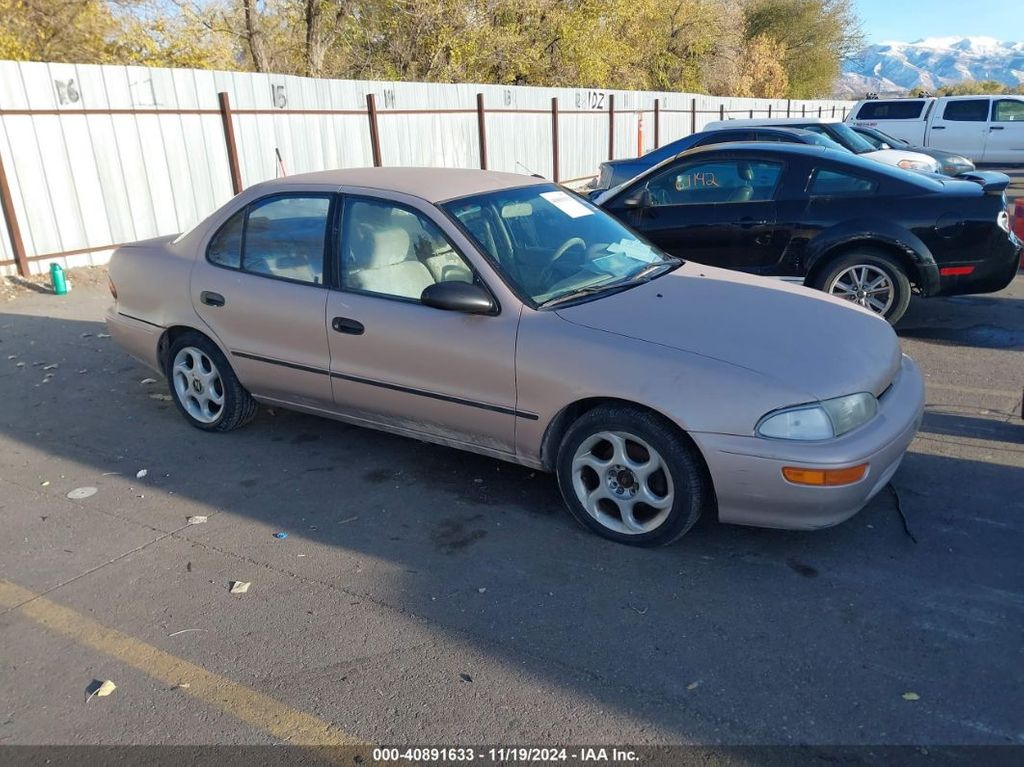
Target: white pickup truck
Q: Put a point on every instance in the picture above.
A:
(985, 129)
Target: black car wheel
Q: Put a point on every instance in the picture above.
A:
(630, 476)
(204, 386)
(871, 279)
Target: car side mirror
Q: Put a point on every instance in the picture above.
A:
(639, 199)
(464, 297)
(884, 145)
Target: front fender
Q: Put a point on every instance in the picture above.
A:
(913, 251)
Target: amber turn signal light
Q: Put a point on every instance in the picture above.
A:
(825, 477)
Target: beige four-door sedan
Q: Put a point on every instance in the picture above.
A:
(501, 314)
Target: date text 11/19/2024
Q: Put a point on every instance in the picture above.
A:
(512, 754)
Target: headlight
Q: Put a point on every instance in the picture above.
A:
(825, 420)
(957, 165)
(918, 165)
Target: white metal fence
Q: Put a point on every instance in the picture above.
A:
(94, 156)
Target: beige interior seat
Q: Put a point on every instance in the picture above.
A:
(446, 266)
(384, 265)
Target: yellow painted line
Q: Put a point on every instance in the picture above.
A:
(282, 722)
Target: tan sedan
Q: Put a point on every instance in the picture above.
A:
(500, 314)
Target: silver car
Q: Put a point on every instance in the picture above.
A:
(503, 315)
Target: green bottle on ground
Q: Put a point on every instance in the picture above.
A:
(57, 280)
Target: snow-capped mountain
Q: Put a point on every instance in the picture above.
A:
(930, 63)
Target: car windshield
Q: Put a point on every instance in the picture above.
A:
(850, 139)
(553, 246)
(891, 140)
(842, 135)
(825, 141)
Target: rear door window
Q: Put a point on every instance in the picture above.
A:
(966, 110)
(284, 237)
(1008, 111)
(280, 236)
(834, 183)
(904, 109)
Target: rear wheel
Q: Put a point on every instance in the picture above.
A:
(204, 386)
(630, 476)
(871, 279)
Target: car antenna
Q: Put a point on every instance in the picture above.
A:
(535, 175)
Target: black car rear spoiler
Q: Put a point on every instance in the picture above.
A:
(992, 182)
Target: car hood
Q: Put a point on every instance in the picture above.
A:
(804, 339)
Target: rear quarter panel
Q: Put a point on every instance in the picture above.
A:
(152, 283)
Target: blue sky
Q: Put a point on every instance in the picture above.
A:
(908, 20)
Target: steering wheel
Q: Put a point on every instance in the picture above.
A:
(564, 248)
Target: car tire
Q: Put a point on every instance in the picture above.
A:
(204, 387)
(850, 275)
(606, 481)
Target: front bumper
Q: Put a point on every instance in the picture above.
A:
(747, 471)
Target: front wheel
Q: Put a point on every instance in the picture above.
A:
(871, 279)
(630, 476)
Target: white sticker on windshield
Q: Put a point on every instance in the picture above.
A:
(570, 206)
(634, 249)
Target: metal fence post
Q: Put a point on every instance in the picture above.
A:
(13, 230)
(554, 138)
(371, 113)
(693, 116)
(789, 106)
(481, 130)
(769, 111)
(611, 126)
(657, 123)
(229, 140)
(721, 111)
(803, 111)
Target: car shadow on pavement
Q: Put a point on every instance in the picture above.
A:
(732, 635)
(996, 428)
(984, 322)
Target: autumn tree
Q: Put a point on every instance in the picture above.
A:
(57, 30)
(973, 87)
(762, 73)
(815, 35)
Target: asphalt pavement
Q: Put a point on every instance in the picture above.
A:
(426, 596)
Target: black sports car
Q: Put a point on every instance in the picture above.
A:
(858, 229)
(615, 172)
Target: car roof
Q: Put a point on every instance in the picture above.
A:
(430, 184)
(768, 122)
(790, 130)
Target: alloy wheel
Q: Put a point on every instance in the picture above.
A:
(622, 482)
(865, 285)
(198, 384)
